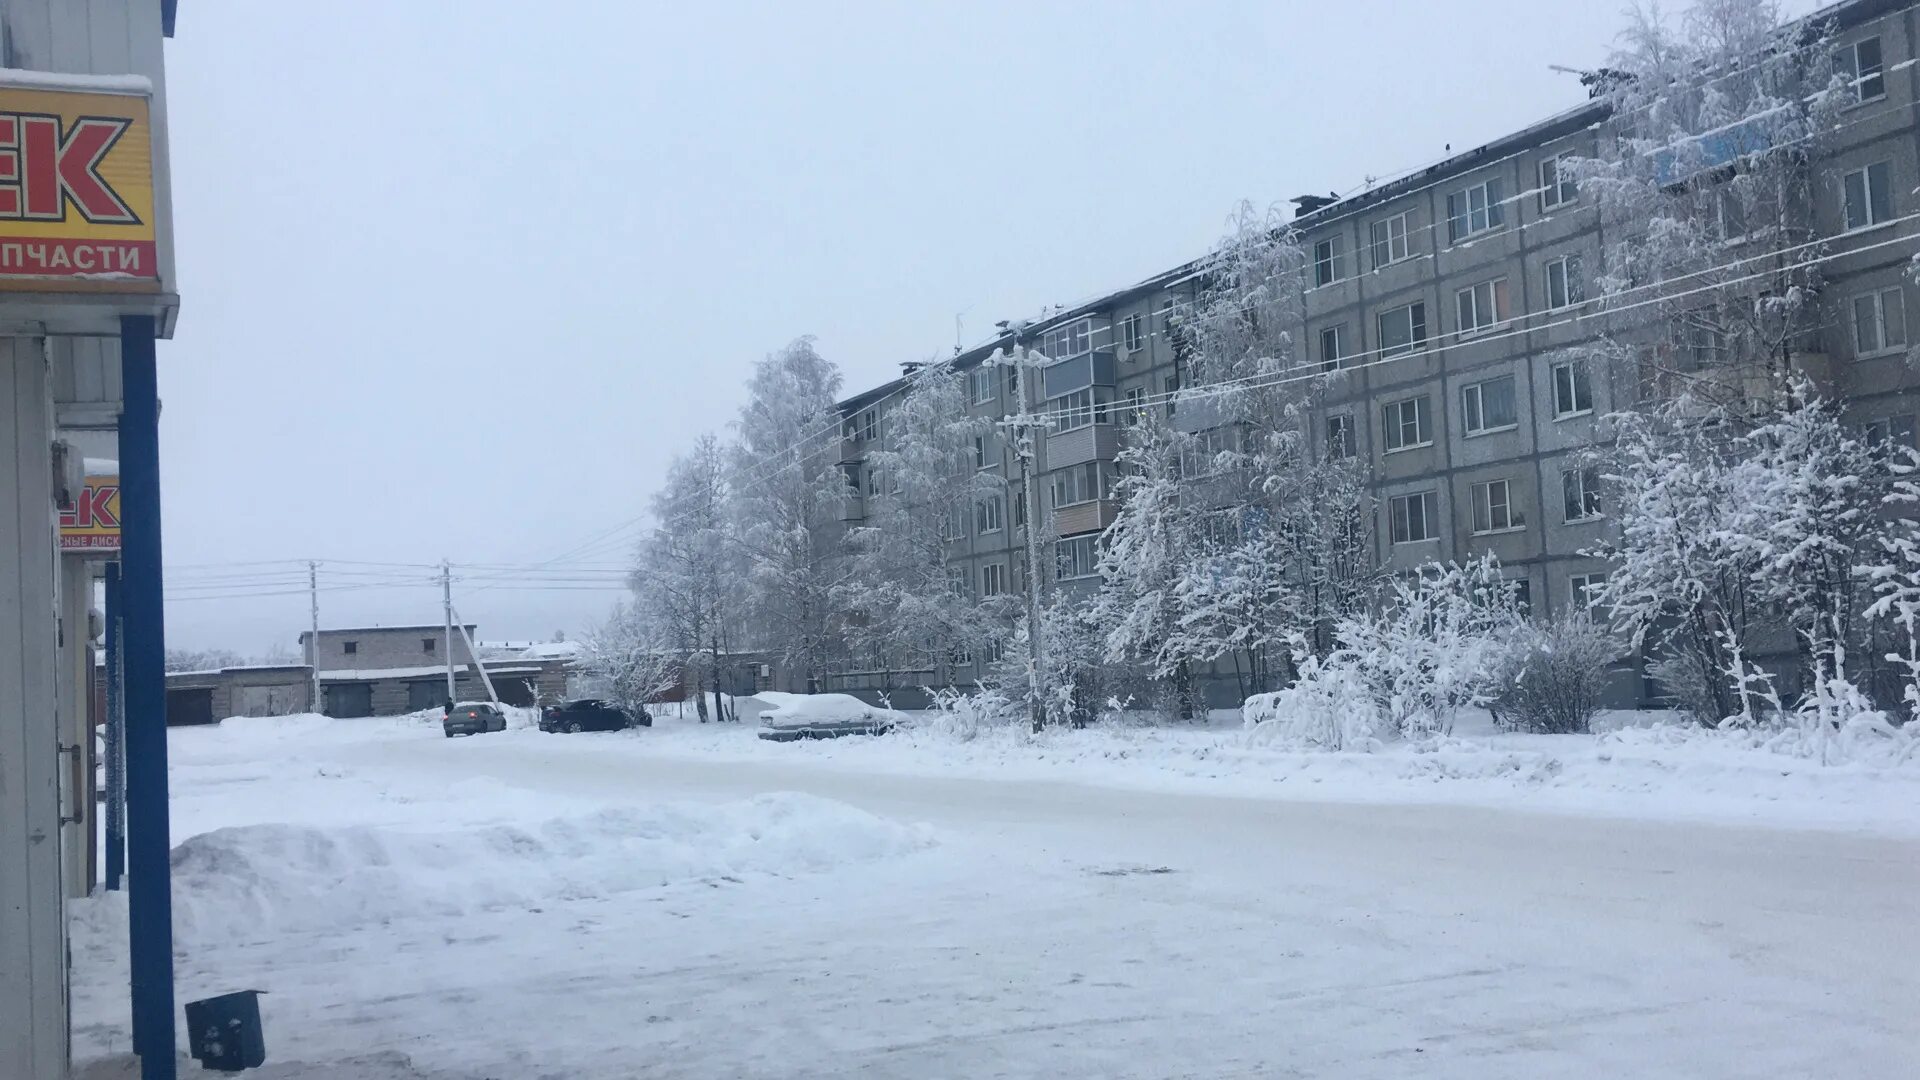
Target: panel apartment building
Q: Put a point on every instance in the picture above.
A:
(1472, 268)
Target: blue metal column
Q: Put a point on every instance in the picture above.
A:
(116, 738)
(149, 896)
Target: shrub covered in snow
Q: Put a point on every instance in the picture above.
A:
(1551, 676)
(1331, 706)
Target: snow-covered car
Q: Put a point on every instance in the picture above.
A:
(792, 717)
(473, 718)
(590, 714)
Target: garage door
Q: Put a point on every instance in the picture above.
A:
(349, 699)
(187, 707)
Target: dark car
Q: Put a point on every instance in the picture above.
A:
(473, 718)
(589, 714)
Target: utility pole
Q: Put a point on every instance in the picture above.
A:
(446, 602)
(1021, 427)
(313, 635)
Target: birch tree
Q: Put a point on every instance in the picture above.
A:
(687, 574)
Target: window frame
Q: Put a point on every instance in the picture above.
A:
(993, 579)
(975, 381)
(1858, 82)
(1498, 295)
(1480, 498)
(1473, 407)
(1580, 588)
(1493, 211)
(1331, 268)
(1868, 189)
(1340, 425)
(1080, 474)
(1398, 522)
(350, 648)
(989, 515)
(1564, 190)
(1380, 235)
(1878, 297)
(1133, 336)
(1393, 423)
(1584, 380)
(1416, 329)
(1091, 546)
(1573, 290)
(1574, 487)
(1337, 332)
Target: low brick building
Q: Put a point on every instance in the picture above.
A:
(202, 697)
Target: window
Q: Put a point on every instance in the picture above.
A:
(1075, 558)
(1522, 594)
(1580, 494)
(996, 651)
(1880, 322)
(993, 579)
(989, 515)
(981, 380)
(1556, 186)
(1493, 509)
(1203, 456)
(1388, 239)
(1133, 332)
(1329, 260)
(1869, 195)
(1080, 484)
(1414, 517)
(428, 644)
(1134, 408)
(866, 426)
(1166, 314)
(1652, 381)
(1488, 406)
(873, 481)
(954, 525)
(1072, 412)
(1572, 393)
(1403, 329)
(1861, 61)
(1564, 286)
(1893, 431)
(957, 582)
(1730, 216)
(1585, 588)
(1070, 340)
(1705, 343)
(1340, 436)
(1330, 348)
(350, 648)
(1476, 210)
(1172, 386)
(1482, 306)
(1407, 424)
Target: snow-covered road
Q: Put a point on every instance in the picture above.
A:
(1054, 929)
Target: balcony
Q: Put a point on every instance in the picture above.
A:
(853, 508)
(1092, 442)
(1084, 517)
(1094, 368)
(852, 449)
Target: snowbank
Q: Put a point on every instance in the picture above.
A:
(254, 881)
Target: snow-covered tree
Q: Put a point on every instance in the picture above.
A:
(202, 659)
(787, 492)
(687, 573)
(1895, 578)
(1701, 176)
(908, 598)
(629, 656)
(1551, 676)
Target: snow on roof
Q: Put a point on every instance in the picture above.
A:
(63, 80)
(369, 674)
(305, 634)
(552, 650)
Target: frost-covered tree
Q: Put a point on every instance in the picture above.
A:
(202, 659)
(1551, 676)
(909, 599)
(1895, 578)
(1700, 179)
(629, 656)
(786, 496)
(687, 573)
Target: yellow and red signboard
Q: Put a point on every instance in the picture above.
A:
(93, 524)
(76, 191)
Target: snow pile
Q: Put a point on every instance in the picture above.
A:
(812, 710)
(255, 881)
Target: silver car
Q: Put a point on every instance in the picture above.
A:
(473, 718)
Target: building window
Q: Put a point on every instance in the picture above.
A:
(1172, 386)
(1329, 260)
(1556, 186)
(1476, 210)
(957, 582)
(1340, 436)
(1403, 329)
(1414, 517)
(1861, 61)
(1488, 406)
(1703, 339)
(1388, 239)
(1564, 286)
(993, 579)
(873, 481)
(1482, 306)
(1080, 484)
(1133, 332)
(1572, 393)
(427, 644)
(1880, 322)
(1493, 509)
(1167, 307)
(865, 427)
(1869, 195)
(1070, 340)
(1407, 424)
(1580, 494)
(981, 380)
(953, 525)
(1331, 349)
(1585, 588)
(1893, 431)
(1134, 407)
(1075, 558)
(989, 515)
(1074, 411)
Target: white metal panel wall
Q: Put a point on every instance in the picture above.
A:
(101, 37)
(33, 942)
(86, 382)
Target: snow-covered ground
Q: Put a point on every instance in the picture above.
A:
(689, 901)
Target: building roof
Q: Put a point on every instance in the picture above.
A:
(305, 634)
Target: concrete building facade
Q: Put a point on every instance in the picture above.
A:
(1472, 439)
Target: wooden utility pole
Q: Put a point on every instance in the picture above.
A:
(1021, 429)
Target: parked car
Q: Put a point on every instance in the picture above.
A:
(473, 718)
(590, 714)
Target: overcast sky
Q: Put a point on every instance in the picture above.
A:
(459, 279)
